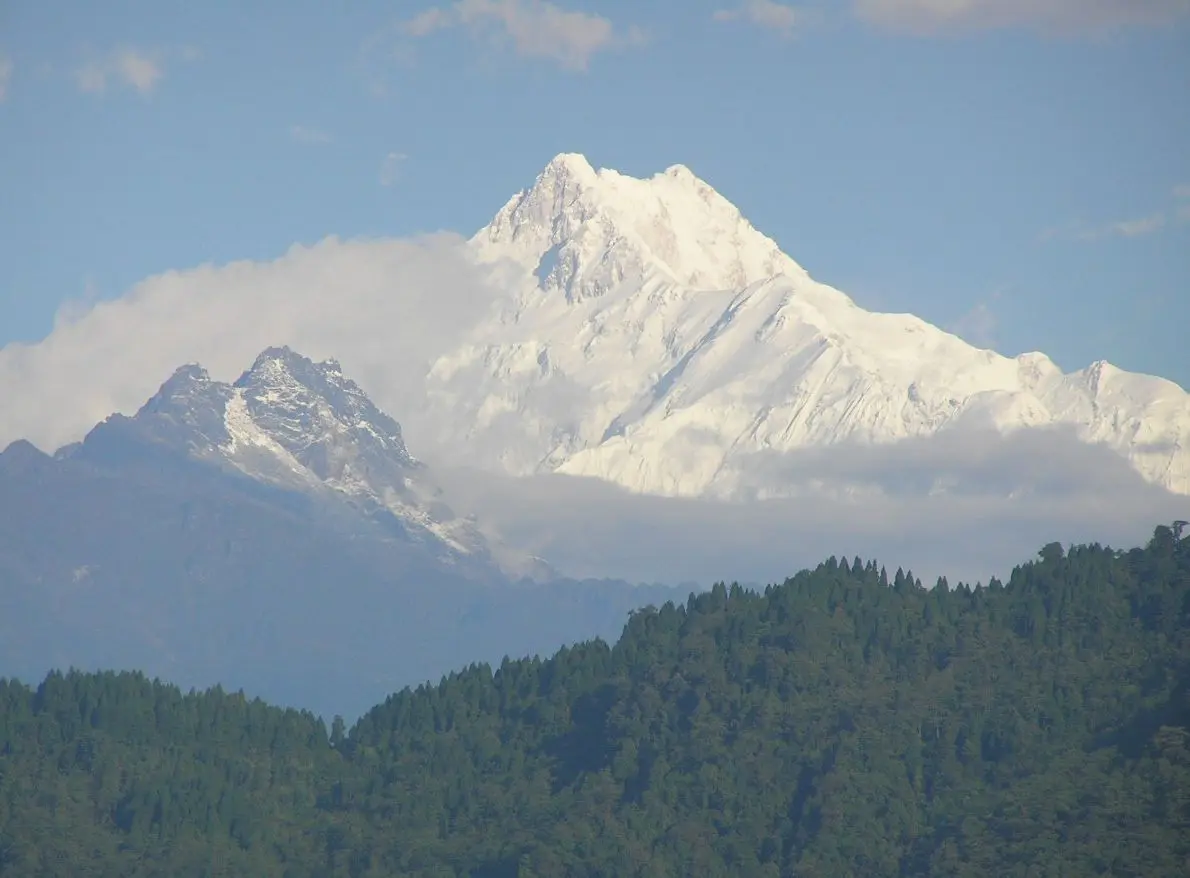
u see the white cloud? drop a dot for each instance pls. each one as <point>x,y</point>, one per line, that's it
<point>1136,228</point>
<point>767,14</point>
<point>977,326</point>
<point>134,68</point>
<point>536,28</point>
<point>387,308</point>
<point>927,17</point>
<point>390,168</point>
<point>1129,228</point>
<point>1181,194</point>
<point>6,66</point>
<point>306,134</point>
<point>383,308</point>
<point>1006,497</point>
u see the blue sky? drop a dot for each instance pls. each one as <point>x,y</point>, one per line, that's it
<point>1017,171</point>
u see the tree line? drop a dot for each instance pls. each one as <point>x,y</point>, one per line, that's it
<point>844,722</point>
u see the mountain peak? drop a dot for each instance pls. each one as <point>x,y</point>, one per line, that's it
<point>569,165</point>
<point>650,336</point>
<point>188,408</point>
<point>184,382</point>
<point>300,403</point>
<point>22,455</point>
<point>190,372</point>
<point>304,426</point>
<point>585,232</point>
<point>180,391</point>
<point>681,172</point>
<point>281,358</point>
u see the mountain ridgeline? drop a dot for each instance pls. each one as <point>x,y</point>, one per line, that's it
<point>646,334</point>
<point>273,534</point>
<point>845,722</point>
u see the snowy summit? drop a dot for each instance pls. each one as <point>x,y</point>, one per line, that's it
<point>304,426</point>
<point>650,336</point>
<point>584,232</point>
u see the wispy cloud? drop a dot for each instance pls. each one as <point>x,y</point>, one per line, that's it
<point>535,28</point>
<point>135,68</point>
<point>1182,194</point>
<point>1067,17</point>
<point>1137,228</point>
<point>778,17</point>
<point>1128,228</point>
<point>331,299</point>
<point>390,168</point>
<point>306,134</point>
<point>6,66</point>
<point>977,326</point>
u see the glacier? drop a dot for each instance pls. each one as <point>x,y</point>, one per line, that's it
<point>647,335</point>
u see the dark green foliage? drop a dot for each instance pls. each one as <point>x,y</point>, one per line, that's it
<point>838,724</point>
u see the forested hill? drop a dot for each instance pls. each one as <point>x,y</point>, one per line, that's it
<point>839,724</point>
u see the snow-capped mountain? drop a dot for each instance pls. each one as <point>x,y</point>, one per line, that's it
<point>302,425</point>
<point>652,337</point>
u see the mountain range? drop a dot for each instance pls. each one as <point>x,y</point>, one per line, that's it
<point>276,533</point>
<point>304,426</point>
<point>646,334</point>
<point>273,534</point>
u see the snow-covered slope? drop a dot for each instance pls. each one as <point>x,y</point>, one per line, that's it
<point>301,425</point>
<point>652,337</point>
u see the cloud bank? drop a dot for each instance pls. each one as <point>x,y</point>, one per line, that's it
<point>967,505</point>
<point>383,308</point>
<point>535,28</point>
<point>1067,17</point>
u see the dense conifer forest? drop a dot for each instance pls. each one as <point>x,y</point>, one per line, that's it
<point>846,722</point>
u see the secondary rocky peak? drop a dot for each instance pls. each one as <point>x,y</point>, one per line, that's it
<point>299,425</point>
<point>189,402</point>
<point>189,388</point>
<point>307,407</point>
<point>274,362</point>
<point>279,372</point>
<point>182,384</point>
<point>189,372</point>
<point>22,455</point>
